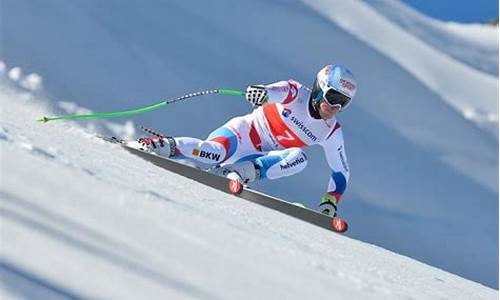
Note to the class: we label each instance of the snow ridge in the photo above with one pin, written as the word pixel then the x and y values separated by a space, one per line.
pixel 471 92
pixel 473 44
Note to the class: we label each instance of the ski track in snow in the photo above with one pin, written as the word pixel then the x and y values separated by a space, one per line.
pixel 97 222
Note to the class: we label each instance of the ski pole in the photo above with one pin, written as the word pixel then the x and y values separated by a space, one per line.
pixel 141 109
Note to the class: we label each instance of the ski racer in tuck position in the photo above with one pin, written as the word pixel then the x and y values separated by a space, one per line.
pixel 268 142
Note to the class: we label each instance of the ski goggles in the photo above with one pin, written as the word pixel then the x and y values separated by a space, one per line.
pixel 333 97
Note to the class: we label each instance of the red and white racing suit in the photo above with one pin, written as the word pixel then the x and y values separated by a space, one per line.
pixel 273 135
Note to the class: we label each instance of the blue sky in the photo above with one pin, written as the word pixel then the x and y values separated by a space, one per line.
pixel 464 11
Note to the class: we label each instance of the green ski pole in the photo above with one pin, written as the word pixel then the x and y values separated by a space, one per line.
pixel 142 109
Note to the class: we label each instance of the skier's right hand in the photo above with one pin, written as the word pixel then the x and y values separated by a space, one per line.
pixel 256 94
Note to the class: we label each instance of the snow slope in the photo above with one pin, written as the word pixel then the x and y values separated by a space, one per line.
pixel 468 90
pixel 422 169
pixel 81 218
pixel 473 44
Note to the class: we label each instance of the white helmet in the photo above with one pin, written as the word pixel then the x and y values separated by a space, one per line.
pixel 335 84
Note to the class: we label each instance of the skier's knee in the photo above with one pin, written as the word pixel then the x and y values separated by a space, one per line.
pixel 208 152
pixel 282 163
pixel 296 161
pixel 225 140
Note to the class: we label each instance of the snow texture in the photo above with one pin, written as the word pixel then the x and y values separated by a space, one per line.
pixel 430 62
pixel 83 219
pixel 421 138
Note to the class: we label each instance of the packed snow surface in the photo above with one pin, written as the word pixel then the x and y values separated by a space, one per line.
pixel 421 135
pixel 81 218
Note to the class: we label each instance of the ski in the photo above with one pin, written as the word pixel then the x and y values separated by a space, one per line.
pixel 239 190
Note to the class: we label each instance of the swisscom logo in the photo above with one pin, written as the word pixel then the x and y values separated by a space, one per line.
pixel 286 112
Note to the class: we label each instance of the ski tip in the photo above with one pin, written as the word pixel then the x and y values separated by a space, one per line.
pixel 235 186
pixel 339 225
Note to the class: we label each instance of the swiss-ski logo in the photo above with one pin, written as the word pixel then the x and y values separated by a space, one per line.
pixel 342 158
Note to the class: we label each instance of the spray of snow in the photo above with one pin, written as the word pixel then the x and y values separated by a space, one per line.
pixel 33 83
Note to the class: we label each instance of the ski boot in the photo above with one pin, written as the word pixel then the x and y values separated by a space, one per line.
pixel 238 175
pixel 163 146
pixel 328 206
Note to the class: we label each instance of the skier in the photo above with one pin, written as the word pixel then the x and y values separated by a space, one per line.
pixel 268 142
